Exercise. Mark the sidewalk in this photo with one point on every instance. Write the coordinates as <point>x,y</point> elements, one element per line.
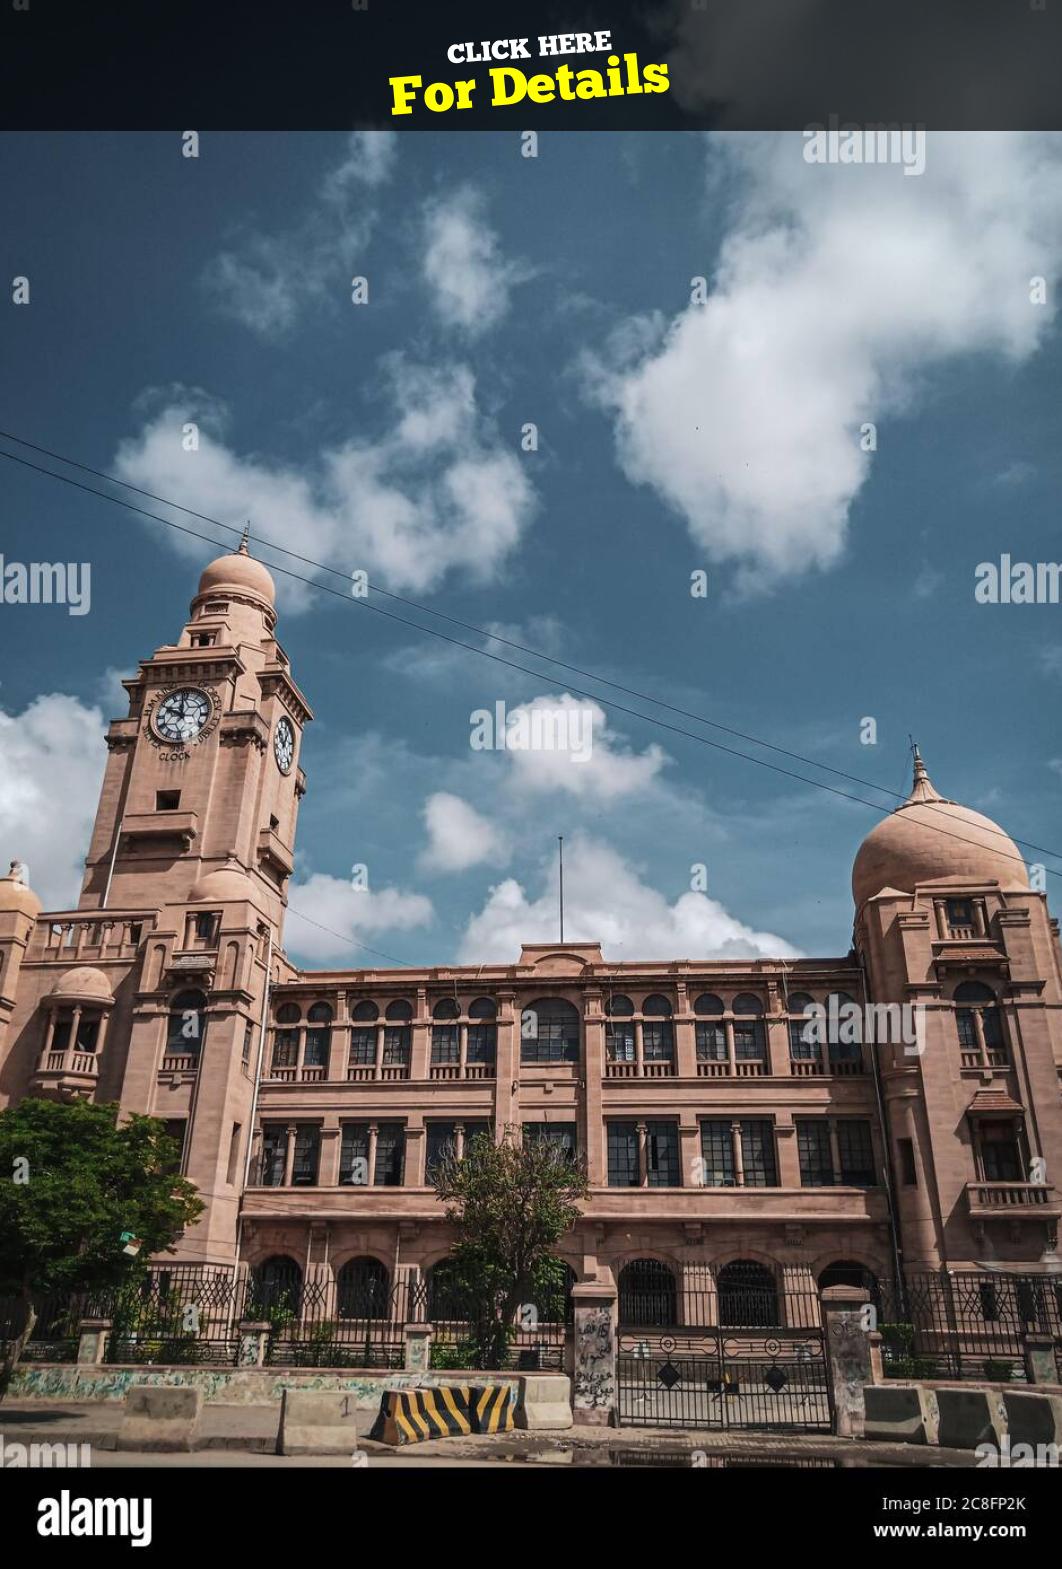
<point>235,1435</point>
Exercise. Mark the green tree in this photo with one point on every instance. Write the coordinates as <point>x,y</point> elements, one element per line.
<point>510,1204</point>
<point>71,1182</point>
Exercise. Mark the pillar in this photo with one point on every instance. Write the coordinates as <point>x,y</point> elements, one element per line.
<point>594,1383</point>
<point>848,1361</point>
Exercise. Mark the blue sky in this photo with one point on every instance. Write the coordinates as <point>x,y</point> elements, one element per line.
<point>672,437</point>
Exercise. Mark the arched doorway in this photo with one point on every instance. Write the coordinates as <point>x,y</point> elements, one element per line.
<point>748,1295</point>
<point>647,1294</point>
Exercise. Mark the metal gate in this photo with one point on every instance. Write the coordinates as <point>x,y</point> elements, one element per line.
<point>756,1359</point>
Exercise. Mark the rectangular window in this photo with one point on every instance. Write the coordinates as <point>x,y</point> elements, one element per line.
<point>966,1025</point>
<point>662,1152</point>
<point>362,1048</point>
<point>622,1155</point>
<point>813,1148</point>
<point>711,1042</point>
<point>619,1042</point>
<point>167,800</point>
<point>856,1150</point>
<point>274,1153</point>
<point>88,1031</point>
<point>315,1052</point>
<point>234,1154</point>
<point>657,1041</point>
<point>203,639</point>
<point>390,1154</point>
<point>285,1048</point>
<point>908,1173</point>
<point>563,1135</point>
<point>757,1154</point>
<point>396,1045</point>
<point>307,1155</point>
<point>482,1043</point>
<point>248,1041</point>
<point>441,1143</point>
<point>803,1040</point>
<point>446,1044</point>
<point>206,926</point>
<point>1000,1153</point>
<point>960,915</point>
<point>749,1041</point>
<point>177,1129</point>
<point>354,1155</point>
<point>717,1153</point>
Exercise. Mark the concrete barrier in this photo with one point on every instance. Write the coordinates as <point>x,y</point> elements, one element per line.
<point>900,1414</point>
<point>161,1420</point>
<point>545,1403</point>
<point>1033,1418</point>
<point>969,1417</point>
<point>317,1422</point>
<point>409,1416</point>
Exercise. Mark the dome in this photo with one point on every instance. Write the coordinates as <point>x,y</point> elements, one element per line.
<point>222,886</point>
<point>239,573</point>
<point>83,984</point>
<point>928,838</point>
<point>16,893</point>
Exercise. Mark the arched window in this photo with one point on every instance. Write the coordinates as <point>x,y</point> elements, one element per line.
<point>710,1030</point>
<point>804,1038</point>
<point>657,1007</point>
<point>647,1294</point>
<point>289,1013</point>
<point>978,1023</point>
<point>276,1286</point>
<point>657,1030</point>
<point>365,1013</point>
<point>619,1031</point>
<point>447,1300</point>
<point>844,1036</point>
<point>318,1035</point>
<point>748,1295</point>
<point>397,1035</point>
<point>187,1024</point>
<point>557,1305</point>
<point>750,1042</point>
<point>549,1031</point>
<point>483,1008</point>
<point>363,1289</point>
<point>446,1038</point>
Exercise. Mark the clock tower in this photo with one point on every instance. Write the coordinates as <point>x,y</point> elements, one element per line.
<point>194,842</point>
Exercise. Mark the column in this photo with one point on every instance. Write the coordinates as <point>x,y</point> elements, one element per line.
<point>728,1030</point>
<point>378,1067</point>
<point>739,1154</point>
<point>835,1152</point>
<point>507,1069</point>
<point>639,1051</point>
<point>289,1154</point>
<point>848,1364</point>
<point>594,1127</point>
<point>420,1039</point>
<point>685,1037</point>
<point>416,1146</point>
<point>462,1049</point>
<point>643,1154</point>
<point>374,1134</point>
<point>328,1175</point>
<point>594,1384</point>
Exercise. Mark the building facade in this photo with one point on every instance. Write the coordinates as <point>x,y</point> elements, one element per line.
<point>772,1112</point>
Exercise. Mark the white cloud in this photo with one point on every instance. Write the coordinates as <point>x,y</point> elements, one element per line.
<point>111,694</point>
<point>606,899</point>
<point>354,916</point>
<point>463,266</point>
<point>837,289</point>
<point>267,279</point>
<point>605,771</point>
<point>437,493</point>
<point>458,835</point>
<point>51,766</point>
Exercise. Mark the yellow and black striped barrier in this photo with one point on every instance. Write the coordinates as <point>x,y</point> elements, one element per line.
<point>409,1416</point>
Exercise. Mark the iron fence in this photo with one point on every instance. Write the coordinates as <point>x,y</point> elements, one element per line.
<point>966,1325</point>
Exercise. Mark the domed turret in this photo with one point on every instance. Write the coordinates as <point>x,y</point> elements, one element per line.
<point>16,894</point>
<point>83,984</point>
<point>239,573</point>
<point>930,837</point>
<point>223,885</point>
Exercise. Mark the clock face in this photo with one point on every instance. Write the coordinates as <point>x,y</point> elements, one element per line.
<point>182,715</point>
<point>284,745</point>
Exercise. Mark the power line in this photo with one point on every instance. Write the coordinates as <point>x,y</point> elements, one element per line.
<point>494,637</point>
<point>497,658</point>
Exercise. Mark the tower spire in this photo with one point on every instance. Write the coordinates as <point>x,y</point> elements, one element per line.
<point>922,787</point>
<point>244,549</point>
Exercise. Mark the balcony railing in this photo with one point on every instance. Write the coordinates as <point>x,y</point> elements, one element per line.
<point>454,1070</point>
<point>1006,1197</point>
<point>990,1059</point>
<point>84,1063</point>
<point>754,1068</point>
<point>304,1075</point>
<point>184,1063</point>
<point>639,1070</point>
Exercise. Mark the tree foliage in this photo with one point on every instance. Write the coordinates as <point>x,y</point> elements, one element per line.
<point>510,1204</point>
<point>71,1182</point>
